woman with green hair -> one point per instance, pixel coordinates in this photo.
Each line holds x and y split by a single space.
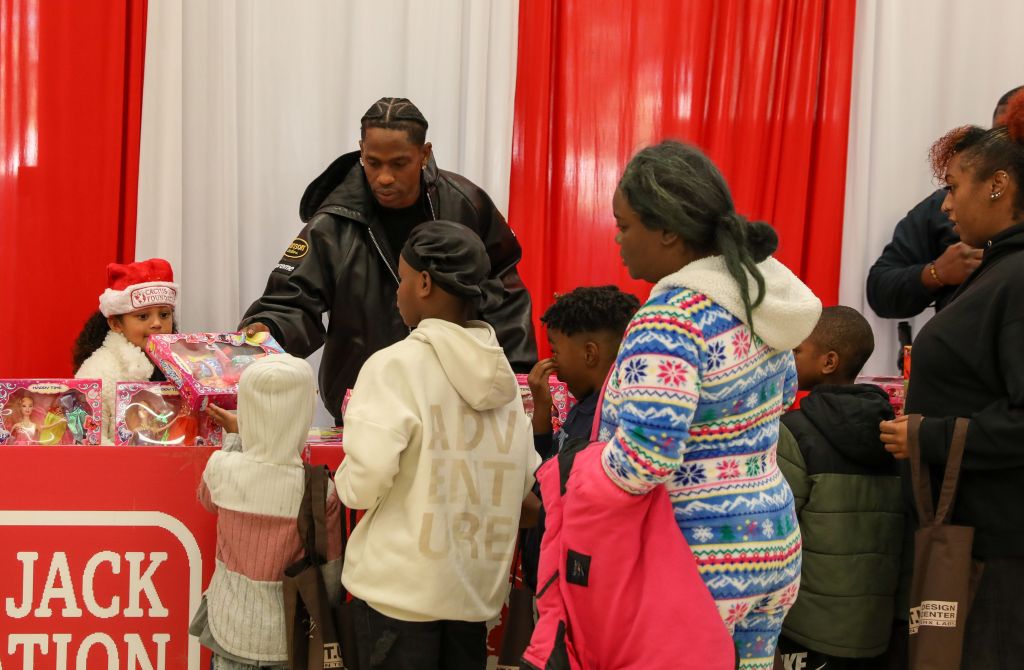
703 374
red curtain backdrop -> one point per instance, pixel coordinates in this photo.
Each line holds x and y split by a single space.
70 117
763 87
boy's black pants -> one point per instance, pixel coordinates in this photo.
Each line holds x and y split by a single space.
389 644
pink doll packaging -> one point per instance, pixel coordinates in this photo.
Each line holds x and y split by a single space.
561 400
321 437
894 387
50 411
206 367
153 413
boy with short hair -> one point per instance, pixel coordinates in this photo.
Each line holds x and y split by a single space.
585 328
438 452
848 500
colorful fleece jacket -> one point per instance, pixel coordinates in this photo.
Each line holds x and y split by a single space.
693 403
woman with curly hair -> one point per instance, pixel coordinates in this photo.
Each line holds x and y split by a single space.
969 362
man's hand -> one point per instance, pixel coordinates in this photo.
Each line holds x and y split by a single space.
225 419
256 327
956 264
538 381
894 437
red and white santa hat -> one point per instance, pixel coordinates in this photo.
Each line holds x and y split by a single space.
138 286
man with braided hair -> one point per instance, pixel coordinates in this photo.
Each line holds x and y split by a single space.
358 214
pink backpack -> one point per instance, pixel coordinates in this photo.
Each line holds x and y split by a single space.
617 584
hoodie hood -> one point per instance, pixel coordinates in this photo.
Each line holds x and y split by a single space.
848 417
275 408
786 315
338 188
473 361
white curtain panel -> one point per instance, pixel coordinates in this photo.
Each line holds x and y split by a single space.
245 102
921 67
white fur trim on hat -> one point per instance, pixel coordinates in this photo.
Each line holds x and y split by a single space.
138 296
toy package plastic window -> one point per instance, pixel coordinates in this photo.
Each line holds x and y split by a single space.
206 367
151 413
50 411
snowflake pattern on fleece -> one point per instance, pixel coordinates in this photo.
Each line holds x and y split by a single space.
693 403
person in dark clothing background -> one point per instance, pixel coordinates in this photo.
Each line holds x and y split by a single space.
358 214
847 491
926 261
969 363
584 328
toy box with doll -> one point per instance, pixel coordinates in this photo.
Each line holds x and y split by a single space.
50 411
561 400
206 367
894 387
153 413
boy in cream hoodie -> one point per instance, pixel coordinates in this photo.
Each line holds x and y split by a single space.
440 453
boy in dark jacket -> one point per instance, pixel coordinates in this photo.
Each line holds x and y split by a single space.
848 500
584 329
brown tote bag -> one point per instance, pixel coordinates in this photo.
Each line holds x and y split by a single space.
311 622
945 575
519 621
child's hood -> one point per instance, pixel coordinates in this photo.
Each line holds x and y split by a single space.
473 361
847 416
786 315
275 408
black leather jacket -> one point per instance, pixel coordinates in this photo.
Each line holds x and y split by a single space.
341 263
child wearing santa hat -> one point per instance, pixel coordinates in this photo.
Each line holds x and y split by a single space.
139 301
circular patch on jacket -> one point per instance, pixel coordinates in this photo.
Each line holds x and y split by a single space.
297 249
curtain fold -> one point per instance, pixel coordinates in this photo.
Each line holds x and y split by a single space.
762 87
70 109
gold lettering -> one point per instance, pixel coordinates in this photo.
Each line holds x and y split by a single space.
426 533
499 469
438 433
463 472
498 536
465 526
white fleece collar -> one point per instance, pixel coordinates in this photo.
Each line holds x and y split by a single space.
785 317
137 365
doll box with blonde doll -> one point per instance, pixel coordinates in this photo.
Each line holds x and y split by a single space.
153 414
206 367
561 400
50 411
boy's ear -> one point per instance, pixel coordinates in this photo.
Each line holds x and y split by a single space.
425 284
830 363
591 353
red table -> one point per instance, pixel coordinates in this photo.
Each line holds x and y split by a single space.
104 554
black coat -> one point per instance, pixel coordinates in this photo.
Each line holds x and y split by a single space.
341 264
969 362
894 285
